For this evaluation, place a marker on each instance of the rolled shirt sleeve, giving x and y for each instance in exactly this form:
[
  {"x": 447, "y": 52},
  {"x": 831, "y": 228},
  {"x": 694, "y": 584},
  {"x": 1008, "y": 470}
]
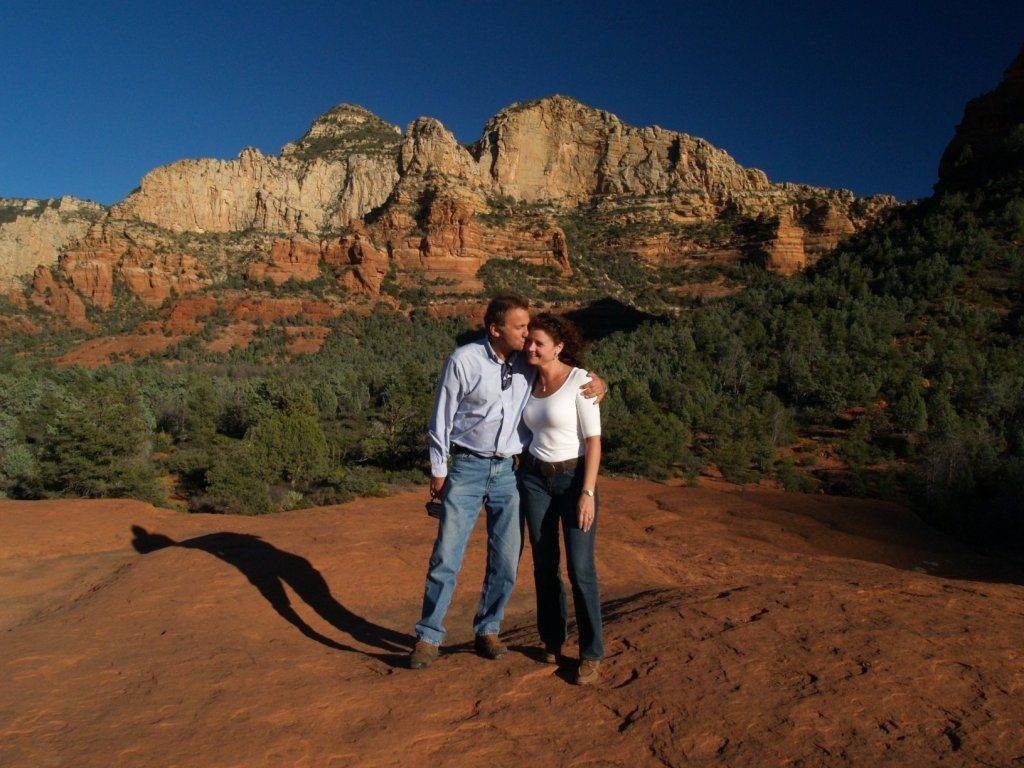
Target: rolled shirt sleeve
[
  {"x": 446, "y": 403},
  {"x": 588, "y": 412}
]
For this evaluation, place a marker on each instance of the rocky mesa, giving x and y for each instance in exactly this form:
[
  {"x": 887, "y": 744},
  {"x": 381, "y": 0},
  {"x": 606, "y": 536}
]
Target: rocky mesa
[
  {"x": 360, "y": 203},
  {"x": 553, "y": 149}
]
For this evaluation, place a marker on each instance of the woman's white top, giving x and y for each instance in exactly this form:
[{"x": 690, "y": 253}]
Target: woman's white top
[{"x": 563, "y": 420}]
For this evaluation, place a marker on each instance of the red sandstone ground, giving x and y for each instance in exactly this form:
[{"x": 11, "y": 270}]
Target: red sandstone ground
[{"x": 744, "y": 628}]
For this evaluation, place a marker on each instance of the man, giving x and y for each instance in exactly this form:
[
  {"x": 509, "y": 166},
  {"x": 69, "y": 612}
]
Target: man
[{"x": 477, "y": 421}]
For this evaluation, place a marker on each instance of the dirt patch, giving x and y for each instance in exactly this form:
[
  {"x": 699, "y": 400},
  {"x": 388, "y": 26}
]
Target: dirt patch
[
  {"x": 106, "y": 349},
  {"x": 305, "y": 339},
  {"x": 233, "y": 336}
]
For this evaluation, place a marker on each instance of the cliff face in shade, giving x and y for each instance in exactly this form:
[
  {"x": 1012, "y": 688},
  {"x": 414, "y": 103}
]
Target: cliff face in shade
[{"x": 989, "y": 141}]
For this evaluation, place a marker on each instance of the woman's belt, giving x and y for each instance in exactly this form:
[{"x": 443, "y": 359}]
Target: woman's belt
[{"x": 550, "y": 468}]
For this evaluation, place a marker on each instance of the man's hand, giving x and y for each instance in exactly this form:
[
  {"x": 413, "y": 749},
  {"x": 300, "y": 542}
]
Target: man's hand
[
  {"x": 596, "y": 388},
  {"x": 436, "y": 486}
]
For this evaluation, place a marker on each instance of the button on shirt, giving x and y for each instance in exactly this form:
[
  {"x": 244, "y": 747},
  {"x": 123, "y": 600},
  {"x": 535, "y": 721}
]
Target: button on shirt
[{"x": 472, "y": 410}]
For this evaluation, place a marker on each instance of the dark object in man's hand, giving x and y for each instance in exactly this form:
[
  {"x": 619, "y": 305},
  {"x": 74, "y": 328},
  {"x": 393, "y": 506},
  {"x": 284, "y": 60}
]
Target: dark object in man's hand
[{"x": 434, "y": 508}]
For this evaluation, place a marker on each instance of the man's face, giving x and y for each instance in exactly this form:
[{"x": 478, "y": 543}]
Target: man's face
[{"x": 512, "y": 334}]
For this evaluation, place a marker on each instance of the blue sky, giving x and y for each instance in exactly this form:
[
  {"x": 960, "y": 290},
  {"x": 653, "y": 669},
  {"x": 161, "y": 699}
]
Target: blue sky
[{"x": 856, "y": 95}]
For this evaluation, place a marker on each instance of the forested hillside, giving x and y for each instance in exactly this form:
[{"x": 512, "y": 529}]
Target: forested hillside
[{"x": 894, "y": 366}]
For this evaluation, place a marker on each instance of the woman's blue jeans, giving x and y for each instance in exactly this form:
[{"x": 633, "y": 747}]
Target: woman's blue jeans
[
  {"x": 546, "y": 502},
  {"x": 474, "y": 482}
]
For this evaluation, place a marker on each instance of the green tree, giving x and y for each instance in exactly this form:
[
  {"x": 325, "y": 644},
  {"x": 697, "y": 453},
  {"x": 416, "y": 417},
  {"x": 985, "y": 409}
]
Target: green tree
[
  {"x": 202, "y": 407},
  {"x": 909, "y": 412},
  {"x": 291, "y": 445},
  {"x": 238, "y": 481},
  {"x": 98, "y": 446},
  {"x": 640, "y": 437}
]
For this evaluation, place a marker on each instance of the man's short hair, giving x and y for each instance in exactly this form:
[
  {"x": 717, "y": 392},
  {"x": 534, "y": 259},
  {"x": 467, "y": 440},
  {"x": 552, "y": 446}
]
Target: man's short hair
[{"x": 500, "y": 306}]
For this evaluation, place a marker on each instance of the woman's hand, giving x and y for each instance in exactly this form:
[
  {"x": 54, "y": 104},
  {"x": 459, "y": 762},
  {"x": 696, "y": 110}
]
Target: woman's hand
[{"x": 585, "y": 510}]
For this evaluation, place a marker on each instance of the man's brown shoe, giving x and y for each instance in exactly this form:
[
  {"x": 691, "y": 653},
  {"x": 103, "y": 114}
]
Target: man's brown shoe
[
  {"x": 423, "y": 654},
  {"x": 489, "y": 646},
  {"x": 588, "y": 672}
]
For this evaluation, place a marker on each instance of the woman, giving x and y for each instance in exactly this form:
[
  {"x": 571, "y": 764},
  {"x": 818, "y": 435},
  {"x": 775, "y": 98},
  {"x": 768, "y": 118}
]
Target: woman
[{"x": 558, "y": 484}]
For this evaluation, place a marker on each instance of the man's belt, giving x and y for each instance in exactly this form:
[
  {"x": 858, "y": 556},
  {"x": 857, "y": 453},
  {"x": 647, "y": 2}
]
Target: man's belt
[
  {"x": 456, "y": 448},
  {"x": 550, "y": 468}
]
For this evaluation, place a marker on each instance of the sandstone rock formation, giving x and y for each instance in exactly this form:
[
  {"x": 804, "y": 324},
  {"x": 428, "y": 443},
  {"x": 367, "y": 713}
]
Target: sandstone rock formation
[
  {"x": 430, "y": 148},
  {"x": 292, "y": 259},
  {"x": 363, "y": 267},
  {"x": 32, "y": 232},
  {"x": 185, "y": 314},
  {"x": 58, "y": 298},
  {"x": 90, "y": 269},
  {"x": 785, "y": 250},
  {"x": 356, "y": 194},
  {"x": 342, "y": 168},
  {"x": 558, "y": 148},
  {"x": 151, "y": 274},
  {"x": 554, "y": 149},
  {"x": 800, "y": 233},
  {"x": 359, "y": 265},
  {"x": 438, "y": 232}
]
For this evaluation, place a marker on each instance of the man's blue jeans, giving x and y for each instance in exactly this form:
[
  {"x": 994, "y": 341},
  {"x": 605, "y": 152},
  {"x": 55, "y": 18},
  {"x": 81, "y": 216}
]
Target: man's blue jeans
[{"x": 474, "y": 481}]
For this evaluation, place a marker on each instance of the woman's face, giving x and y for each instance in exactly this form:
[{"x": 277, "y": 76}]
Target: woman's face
[{"x": 540, "y": 348}]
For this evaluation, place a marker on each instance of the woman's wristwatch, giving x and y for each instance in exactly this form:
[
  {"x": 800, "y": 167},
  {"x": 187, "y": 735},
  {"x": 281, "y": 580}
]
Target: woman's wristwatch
[{"x": 589, "y": 492}]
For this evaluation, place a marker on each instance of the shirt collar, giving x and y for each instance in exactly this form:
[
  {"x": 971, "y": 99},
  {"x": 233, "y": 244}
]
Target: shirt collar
[
  {"x": 491, "y": 350},
  {"x": 510, "y": 359}
]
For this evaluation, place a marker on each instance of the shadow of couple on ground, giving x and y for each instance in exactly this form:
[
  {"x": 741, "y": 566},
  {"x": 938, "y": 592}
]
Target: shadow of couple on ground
[{"x": 269, "y": 569}]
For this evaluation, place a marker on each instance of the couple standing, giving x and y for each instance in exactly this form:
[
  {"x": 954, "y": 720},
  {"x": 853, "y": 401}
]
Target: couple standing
[{"x": 517, "y": 387}]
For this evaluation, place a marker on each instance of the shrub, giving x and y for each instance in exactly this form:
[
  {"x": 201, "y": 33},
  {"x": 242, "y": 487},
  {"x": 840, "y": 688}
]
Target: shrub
[
  {"x": 793, "y": 479},
  {"x": 17, "y": 468},
  {"x": 238, "y": 482},
  {"x": 734, "y": 457},
  {"x": 640, "y": 437},
  {"x": 963, "y": 482},
  {"x": 191, "y": 465},
  {"x": 97, "y": 447},
  {"x": 291, "y": 445}
]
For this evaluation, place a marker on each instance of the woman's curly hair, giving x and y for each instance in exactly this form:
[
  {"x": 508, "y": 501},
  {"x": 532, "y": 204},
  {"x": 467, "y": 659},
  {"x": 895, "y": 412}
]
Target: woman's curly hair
[{"x": 562, "y": 331}]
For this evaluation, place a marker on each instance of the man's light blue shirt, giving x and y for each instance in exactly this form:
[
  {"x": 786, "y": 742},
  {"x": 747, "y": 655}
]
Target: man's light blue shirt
[{"x": 472, "y": 410}]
